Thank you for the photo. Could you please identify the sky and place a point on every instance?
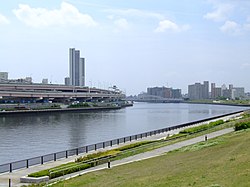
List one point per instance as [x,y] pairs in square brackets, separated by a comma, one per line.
[132,44]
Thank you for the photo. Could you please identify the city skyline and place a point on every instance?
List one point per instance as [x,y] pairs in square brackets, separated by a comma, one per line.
[196,90]
[129,44]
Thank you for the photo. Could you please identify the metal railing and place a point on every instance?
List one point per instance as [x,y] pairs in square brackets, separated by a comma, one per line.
[10,167]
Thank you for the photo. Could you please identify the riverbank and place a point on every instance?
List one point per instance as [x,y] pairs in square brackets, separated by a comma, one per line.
[42,111]
[221,161]
[20,173]
[210,102]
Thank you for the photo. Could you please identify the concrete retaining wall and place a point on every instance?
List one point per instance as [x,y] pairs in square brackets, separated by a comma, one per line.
[36,180]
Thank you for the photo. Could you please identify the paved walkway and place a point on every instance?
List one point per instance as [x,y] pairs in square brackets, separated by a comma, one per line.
[15,176]
[150,154]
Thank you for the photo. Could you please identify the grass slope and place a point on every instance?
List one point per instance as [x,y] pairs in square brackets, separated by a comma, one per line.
[224,161]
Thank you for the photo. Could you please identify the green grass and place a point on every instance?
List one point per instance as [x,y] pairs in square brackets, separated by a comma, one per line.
[223,161]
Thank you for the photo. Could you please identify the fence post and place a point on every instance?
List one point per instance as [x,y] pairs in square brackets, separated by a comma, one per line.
[124,140]
[118,141]
[111,143]
[103,145]
[42,160]
[146,134]
[86,149]
[27,163]
[54,156]
[9,182]
[66,154]
[95,147]
[77,151]
[10,167]
[141,136]
[129,138]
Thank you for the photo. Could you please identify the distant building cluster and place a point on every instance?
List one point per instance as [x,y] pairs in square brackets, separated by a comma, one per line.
[165,92]
[200,91]
[4,78]
[76,72]
[196,91]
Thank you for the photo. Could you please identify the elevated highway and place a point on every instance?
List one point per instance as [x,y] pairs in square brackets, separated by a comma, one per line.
[51,91]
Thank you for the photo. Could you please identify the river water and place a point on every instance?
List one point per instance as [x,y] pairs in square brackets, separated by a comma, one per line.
[27,136]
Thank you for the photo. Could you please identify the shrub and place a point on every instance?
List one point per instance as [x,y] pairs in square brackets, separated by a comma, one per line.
[202,127]
[134,145]
[39,173]
[58,173]
[242,125]
[97,155]
[79,105]
[175,136]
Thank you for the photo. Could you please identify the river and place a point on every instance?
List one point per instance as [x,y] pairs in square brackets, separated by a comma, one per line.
[27,136]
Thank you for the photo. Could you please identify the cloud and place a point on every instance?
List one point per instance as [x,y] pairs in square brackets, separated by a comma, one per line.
[230,27]
[234,28]
[3,20]
[169,25]
[41,17]
[220,13]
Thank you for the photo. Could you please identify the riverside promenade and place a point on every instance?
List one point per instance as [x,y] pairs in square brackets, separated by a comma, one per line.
[16,175]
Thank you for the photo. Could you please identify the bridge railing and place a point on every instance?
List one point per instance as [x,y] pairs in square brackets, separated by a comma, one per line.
[26,163]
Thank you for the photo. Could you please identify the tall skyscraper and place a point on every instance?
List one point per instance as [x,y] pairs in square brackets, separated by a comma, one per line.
[76,68]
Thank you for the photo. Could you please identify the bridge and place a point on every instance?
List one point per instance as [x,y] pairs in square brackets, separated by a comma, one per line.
[155,99]
[51,91]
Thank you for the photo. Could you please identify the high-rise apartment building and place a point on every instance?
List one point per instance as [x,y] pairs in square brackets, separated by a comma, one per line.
[45,81]
[198,91]
[3,76]
[238,92]
[76,68]
[67,81]
[165,92]
[216,92]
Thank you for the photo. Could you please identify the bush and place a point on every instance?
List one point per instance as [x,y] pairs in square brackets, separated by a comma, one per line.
[60,171]
[79,105]
[76,168]
[97,155]
[202,127]
[242,125]
[134,145]
[39,173]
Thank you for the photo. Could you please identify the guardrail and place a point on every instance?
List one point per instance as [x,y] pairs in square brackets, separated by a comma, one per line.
[10,167]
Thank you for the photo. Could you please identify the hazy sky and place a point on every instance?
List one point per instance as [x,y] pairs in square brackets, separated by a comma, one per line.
[133,44]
